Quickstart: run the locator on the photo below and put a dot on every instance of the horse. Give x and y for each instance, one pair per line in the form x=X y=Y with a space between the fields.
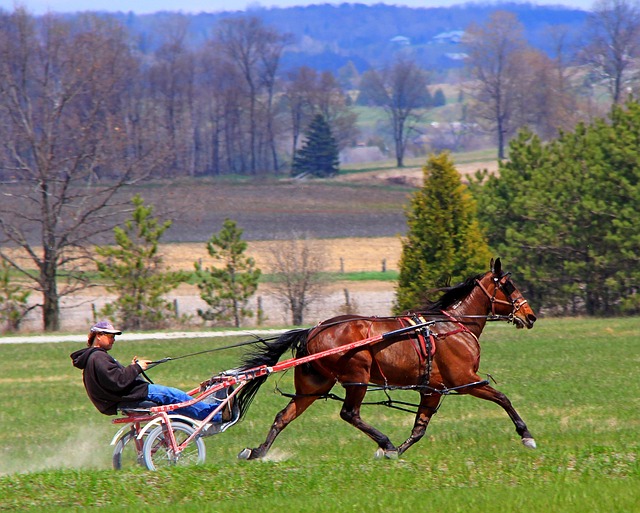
x=445 y=357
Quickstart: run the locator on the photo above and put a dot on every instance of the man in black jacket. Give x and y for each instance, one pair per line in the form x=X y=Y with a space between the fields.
x=109 y=383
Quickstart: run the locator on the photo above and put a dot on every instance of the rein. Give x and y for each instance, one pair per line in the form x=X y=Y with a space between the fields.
x=231 y=346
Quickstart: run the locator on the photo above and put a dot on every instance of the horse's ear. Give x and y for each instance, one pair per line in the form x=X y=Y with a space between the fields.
x=491 y=265
x=496 y=267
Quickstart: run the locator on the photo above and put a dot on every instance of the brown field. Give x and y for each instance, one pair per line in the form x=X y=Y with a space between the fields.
x=352 y=254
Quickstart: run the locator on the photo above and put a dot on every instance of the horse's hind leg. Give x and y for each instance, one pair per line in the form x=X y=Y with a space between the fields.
x=491 y=394
x=426 y=410
x=308 y=389
x=350 y=412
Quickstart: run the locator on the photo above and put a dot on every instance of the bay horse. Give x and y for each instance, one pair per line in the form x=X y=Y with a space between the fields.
x=458 y=316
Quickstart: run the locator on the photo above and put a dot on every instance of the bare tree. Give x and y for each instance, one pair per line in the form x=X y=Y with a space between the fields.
x=562 y=105
x=402 y=91
x=171 y=82
x=494 y=63
x=543 y=102
x=330 y=100
x=270 y=61
x=14 y=305
x=220 y=137
x=300 y=83
x=308 y=93
x=64 y=146
x=255 y=50
x=298 y=271
x=613 y=46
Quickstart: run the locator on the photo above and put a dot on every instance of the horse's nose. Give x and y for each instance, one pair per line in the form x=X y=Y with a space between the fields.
x=532 y=319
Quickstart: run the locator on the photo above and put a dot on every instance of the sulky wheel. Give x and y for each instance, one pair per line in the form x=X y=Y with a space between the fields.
x=158 y=452
x=127 y=452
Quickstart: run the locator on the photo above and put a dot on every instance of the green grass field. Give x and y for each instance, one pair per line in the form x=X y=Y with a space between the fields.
x=575 y=382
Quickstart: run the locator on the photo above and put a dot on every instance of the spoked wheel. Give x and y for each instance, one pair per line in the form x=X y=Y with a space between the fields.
x=158 y=452
x=127 y=452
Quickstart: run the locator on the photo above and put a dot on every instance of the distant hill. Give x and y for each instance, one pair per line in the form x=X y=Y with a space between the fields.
x=327 y=37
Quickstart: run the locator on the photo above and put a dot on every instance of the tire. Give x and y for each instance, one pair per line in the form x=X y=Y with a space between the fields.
x=125 y=453
x=158 y=452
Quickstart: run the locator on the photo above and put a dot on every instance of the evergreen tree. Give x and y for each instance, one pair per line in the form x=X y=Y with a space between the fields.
x=133 y=271
x=565 y=215
x=14 y=299
x=439 y=99
x=227 y=287
x=444 y=241
x=319 y=155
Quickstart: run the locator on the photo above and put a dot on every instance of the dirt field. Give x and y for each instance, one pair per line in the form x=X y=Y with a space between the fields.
x=366 y=204
x=352 y=254
x=282 y=210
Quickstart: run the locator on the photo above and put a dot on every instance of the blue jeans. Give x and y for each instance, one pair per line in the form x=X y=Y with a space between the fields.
x=169 y=395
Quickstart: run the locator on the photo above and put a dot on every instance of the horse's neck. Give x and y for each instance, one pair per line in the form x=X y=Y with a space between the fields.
x=472 y=311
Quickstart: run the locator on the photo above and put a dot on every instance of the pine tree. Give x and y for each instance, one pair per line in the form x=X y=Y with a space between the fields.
x=319 y=155
x=14 y=298
x=565 y=215
x=444 y=241
x=439 y=99
x=227 y=287
x=133 y=271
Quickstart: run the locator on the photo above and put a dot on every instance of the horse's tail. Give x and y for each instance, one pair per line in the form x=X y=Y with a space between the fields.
x=268 y=353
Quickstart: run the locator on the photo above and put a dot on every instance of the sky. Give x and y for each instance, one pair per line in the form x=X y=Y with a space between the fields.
x=195 y=6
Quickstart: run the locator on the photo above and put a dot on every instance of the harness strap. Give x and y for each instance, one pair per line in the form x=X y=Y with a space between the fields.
x=425 y=350
x=461 y=329
x=373 y=356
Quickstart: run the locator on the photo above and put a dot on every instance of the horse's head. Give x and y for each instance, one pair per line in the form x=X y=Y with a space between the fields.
x=506 y=299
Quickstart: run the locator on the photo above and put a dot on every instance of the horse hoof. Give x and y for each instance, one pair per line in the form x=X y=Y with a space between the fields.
x=390 y=455
x=529 y=442
x=245 y=454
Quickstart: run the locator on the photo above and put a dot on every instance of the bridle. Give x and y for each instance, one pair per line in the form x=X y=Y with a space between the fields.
x=508 y=288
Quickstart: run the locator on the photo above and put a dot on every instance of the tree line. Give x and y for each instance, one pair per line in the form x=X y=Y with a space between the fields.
x=564 y=216
x=223 y=108
x=228 y=106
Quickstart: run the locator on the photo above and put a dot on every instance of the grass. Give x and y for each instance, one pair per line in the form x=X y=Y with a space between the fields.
x=329 y=277
x=574 y=381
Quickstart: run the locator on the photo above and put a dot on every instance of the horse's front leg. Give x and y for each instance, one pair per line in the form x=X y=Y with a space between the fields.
x=426 y=410
x=491 y=394
x=350 y=413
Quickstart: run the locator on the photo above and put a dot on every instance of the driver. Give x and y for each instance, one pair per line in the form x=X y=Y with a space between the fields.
x=109 y=383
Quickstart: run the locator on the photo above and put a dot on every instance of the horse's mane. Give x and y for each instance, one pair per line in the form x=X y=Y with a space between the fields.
x=449 y=295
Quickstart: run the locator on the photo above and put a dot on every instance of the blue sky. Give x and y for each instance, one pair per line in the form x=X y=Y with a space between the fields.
x=147 y=6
